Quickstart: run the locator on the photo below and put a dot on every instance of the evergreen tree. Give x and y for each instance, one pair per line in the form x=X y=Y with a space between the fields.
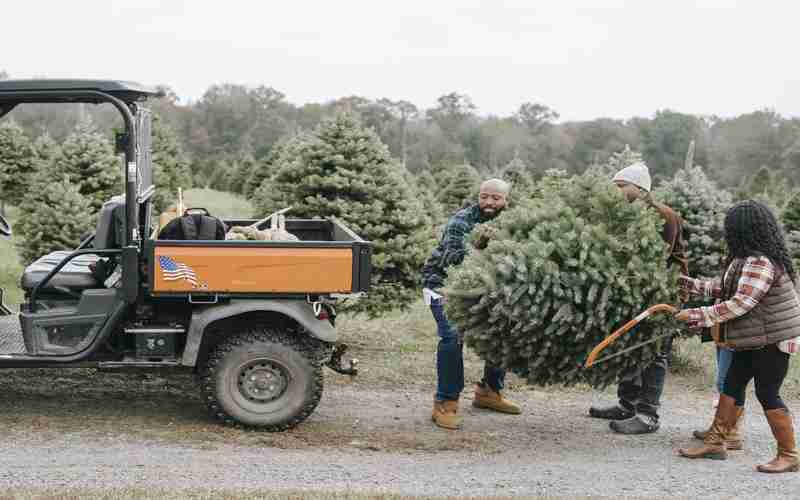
x=343 y=170
x=702 y=206
x=791 y=214
x=761 y=182
x=170 y=165
x=221 y=176
x=426 y=192
x=443 y=176
x=767 y=188
x=562 y=272
x=793 y=245
x=616 y=162
x=516 y=173
x=242 y=171
x=47 y=150
x=88 y=159
x=461 y=190
x=264 y=168
x=17 y=163
x=54 y=216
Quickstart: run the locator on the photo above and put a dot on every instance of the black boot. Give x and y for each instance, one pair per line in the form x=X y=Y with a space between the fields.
x=641 y=423
x=613 y=412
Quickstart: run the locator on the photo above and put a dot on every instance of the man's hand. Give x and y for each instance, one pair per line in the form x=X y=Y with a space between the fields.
x=483 y=234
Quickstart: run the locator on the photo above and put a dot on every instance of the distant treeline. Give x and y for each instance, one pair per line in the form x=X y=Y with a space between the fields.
x=232 y=125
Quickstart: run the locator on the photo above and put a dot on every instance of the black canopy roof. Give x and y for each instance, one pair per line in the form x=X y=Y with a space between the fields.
x=55 y=90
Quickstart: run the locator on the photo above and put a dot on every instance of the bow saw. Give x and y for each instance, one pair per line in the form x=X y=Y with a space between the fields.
x=658 y=308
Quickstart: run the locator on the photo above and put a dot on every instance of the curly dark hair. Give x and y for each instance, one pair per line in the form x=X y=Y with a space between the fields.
x=751 y=230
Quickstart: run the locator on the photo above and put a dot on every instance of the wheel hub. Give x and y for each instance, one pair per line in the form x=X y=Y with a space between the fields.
x=262 y=381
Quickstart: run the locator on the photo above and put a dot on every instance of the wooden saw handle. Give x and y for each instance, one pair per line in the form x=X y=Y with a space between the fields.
x=658 y=308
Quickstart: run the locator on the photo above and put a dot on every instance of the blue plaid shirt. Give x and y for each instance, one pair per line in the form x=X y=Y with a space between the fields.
x=451 y=248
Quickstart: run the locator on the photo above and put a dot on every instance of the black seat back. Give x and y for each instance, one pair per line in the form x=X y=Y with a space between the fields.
x=110 y=232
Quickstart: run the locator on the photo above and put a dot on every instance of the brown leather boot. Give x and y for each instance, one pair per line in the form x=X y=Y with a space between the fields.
x=780 y=421
x=735 y=439
x=714 y=442
x=485 y=397
x=445 y=414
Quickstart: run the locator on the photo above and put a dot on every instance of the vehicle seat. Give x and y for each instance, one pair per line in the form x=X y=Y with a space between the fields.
x=77 y=275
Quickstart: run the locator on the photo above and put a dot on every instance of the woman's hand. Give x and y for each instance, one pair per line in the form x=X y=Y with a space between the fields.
x=683 y=316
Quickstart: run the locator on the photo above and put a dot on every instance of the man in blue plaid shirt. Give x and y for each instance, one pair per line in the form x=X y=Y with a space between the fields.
x=451 y=250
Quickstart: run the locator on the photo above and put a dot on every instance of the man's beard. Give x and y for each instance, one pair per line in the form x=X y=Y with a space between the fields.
x=487 y=216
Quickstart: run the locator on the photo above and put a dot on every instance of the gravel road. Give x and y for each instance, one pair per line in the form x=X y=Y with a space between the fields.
x=380 y=439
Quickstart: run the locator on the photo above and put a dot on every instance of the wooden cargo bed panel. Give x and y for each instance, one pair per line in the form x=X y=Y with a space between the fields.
x=252 y=269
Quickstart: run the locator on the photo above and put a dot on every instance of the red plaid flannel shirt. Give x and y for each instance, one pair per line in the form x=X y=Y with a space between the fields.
x=758 y=274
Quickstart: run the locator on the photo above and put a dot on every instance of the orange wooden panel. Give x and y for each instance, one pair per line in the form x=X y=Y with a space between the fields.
x=241 y=269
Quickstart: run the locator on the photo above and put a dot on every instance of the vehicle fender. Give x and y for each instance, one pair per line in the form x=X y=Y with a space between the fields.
x=298 y=310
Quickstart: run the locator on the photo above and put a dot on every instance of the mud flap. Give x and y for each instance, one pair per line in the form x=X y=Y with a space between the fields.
x=336 y=362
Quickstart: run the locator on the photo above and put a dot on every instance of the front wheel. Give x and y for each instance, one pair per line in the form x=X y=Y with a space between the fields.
x=265 y=378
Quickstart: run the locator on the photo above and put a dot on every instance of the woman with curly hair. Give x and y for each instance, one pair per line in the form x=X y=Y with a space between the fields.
x=759 y=318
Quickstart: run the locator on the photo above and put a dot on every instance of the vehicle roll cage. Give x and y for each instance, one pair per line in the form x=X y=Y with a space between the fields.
x=122 y=95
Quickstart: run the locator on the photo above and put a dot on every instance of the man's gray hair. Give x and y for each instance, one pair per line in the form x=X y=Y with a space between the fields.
x=498 y=185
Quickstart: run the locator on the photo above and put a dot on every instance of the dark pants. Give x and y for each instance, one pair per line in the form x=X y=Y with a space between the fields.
x=768 y=366
x=450 y=361
x=640 y=389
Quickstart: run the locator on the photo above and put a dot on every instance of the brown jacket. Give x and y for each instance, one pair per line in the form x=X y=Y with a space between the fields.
x=673 y=235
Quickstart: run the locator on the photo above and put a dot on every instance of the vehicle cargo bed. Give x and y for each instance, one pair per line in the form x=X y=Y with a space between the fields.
x=329 y=258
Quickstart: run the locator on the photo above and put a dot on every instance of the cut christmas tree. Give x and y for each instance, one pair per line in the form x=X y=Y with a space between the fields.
x=562 y=272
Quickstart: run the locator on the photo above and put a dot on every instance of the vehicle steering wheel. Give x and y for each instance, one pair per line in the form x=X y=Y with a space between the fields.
x=5 y=227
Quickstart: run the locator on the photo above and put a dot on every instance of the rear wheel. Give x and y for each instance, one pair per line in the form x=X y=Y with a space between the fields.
x=265 y=378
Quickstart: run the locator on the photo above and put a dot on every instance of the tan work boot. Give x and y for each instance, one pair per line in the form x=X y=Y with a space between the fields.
x=445 y=414
x=491 y=400
x=780 y=421
x=714 y=442
x=735 y=439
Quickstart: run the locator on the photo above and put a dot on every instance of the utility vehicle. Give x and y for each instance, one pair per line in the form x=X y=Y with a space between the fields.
x=254 y=320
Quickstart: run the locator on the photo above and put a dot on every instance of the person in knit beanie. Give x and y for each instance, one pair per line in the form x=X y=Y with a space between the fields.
x=639 y=390
x=637 y=175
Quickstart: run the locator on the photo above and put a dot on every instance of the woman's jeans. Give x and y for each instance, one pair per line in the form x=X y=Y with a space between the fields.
x=724 y=358
x=450 y=360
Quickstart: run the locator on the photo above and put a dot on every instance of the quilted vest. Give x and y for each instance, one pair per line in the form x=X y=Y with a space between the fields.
x=774 y=319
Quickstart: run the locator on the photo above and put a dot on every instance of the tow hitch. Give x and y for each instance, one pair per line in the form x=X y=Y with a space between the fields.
x=335 y=363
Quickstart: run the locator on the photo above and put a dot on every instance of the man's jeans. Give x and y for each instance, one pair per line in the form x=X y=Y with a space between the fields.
x=640 y=389
x=724 y=358
x=450 y=360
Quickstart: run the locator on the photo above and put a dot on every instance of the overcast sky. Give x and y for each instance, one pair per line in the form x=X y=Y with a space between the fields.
x=585 y=59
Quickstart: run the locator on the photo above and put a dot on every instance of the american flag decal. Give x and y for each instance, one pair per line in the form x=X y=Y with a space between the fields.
x=173 y=271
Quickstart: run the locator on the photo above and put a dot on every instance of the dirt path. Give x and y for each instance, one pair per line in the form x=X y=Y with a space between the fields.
x=145 y=431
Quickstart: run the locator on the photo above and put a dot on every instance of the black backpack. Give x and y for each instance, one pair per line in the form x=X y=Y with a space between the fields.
x=194 y=226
